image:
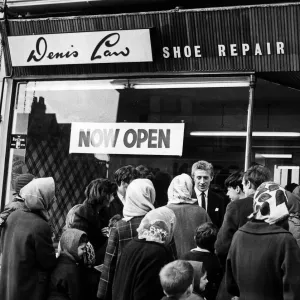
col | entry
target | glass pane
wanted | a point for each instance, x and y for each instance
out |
(44, 111)
(276, 112)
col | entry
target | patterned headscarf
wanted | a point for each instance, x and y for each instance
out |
(270, 203)
(180, 190)
(158, 226)
(139, 199)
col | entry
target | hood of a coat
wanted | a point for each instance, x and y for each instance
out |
(69, 242)
(39, 194)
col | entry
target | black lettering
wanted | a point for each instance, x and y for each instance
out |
(84, 137)
(142, 137)
(162, 138)
(134, 138)
(38, 50)
(152, 138)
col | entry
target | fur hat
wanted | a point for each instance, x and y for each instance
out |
(22, 180)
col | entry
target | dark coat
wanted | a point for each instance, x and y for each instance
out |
(236, 215)
(216, 206)
(28, 257)
(65, 280)
(116, 207)
(188, 218)
(263, 263)
(213, 268)
(137, 272)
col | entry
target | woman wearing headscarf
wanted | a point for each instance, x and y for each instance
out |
(139, 200)
(28, 253)
(137, 272)
(189, 216)
(264, 260)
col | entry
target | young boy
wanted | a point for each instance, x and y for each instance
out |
(65, 280)
(234, 186)
(177, 280)
(205, 237)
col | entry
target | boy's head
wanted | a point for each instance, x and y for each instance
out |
(73, 243)
(176, 279)
(206, 235)
(234, 186)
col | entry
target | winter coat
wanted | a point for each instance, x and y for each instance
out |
(136, 276)
(186, 226)
(263, 263)
(28, 253)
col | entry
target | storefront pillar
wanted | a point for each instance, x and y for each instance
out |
(248, 152)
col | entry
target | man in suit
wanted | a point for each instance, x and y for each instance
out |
(213, 203)
(237, 211)
(122, 177)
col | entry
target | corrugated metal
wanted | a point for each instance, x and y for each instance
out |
(204, 27)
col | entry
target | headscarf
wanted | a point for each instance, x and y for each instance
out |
(69, 243)
(158, 226)
(139, 199)
(198, 273)
(38, 195)
(21, 181)
(180, 190)
(270, 203)
(296, 191)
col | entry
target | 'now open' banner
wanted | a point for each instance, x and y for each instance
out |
(127, 138)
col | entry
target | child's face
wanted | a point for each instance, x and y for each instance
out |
(203, 282)
(81, 249)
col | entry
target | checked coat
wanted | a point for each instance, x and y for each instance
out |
(119, 236)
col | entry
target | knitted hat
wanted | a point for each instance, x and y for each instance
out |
(22, 180)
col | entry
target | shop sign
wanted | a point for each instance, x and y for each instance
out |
(121, 46)
(18, 141)
(127, 138)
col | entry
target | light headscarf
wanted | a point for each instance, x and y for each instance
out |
(270, 203)
(39, 194)
(158, 226)
(180, 190)
(139, 199)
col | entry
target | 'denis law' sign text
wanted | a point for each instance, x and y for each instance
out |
(127, 138)
(81, 48)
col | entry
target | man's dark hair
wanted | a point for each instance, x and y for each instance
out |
(206, 235)
(126, 174)
(235, 179)
(145, 172)
(98, 189)
(257, 174)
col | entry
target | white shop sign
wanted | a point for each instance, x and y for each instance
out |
(121, 46)
(127, 138)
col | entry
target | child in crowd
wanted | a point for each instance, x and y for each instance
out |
(205, 237)
(200, 279)
(65, 280)
(17, 202)
(177, 279)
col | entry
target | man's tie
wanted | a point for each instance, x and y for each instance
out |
(203, 200)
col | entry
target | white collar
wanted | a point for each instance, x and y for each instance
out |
(200, 249)
(198, 193)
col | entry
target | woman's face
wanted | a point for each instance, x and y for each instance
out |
(203, 282)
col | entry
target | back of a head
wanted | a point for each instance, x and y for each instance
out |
(145, 172)
(176, 277)
(97, 190)
(206, 235)
(257, 174)
(22, 180)
(126, 174)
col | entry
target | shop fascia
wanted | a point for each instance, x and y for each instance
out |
(243, 49)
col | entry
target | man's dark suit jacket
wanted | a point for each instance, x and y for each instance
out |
(235, 217)
(216, 206)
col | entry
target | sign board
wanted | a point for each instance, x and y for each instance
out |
(127, 138)
(121, 46)
(18, 141)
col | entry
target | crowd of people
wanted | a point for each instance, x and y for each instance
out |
(148, 236)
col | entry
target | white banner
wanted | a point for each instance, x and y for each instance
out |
(127, 138)
(81, 48)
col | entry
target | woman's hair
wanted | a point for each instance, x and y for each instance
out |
(98, 189)
(176, 277)
(126, 174)
(206, 235)
(83, 239)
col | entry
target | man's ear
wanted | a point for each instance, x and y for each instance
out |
(189, 290)
(238, 189)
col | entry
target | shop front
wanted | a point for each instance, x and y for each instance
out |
(89, 94)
